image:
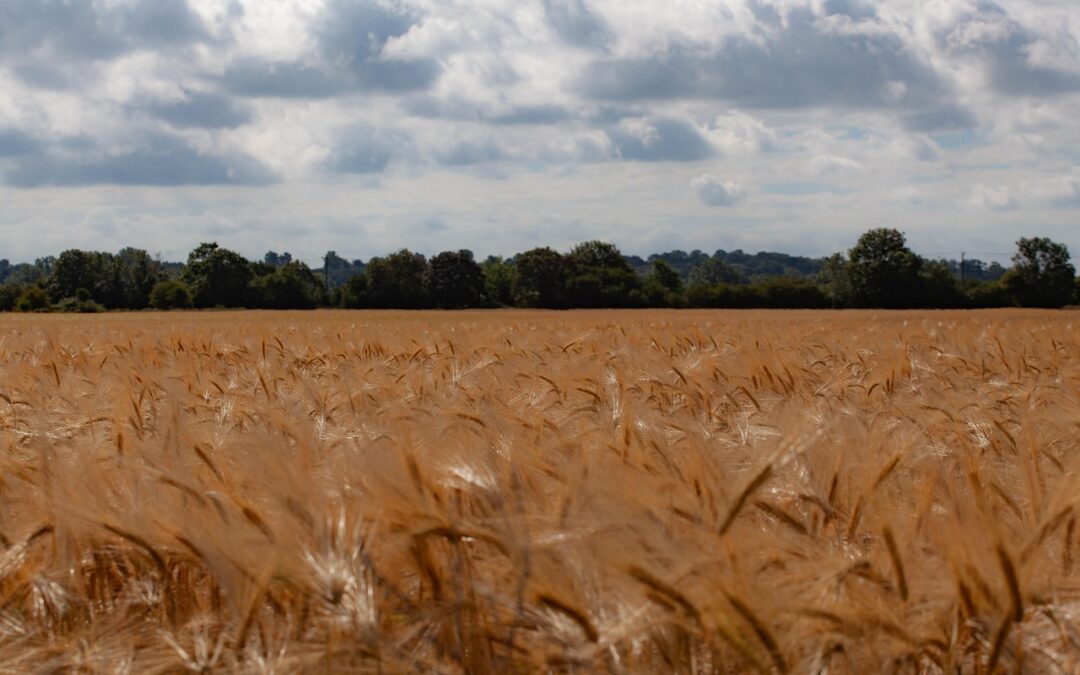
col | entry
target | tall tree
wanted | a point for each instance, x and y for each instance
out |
(1042, 275)
(217, 276)
(455, 281)
(498, 281)
(599, 276)
(396, 281)
(882, 271)
(540, 279)
(291, 285)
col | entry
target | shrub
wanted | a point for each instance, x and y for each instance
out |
(170, 294)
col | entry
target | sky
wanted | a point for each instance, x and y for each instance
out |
(364, 126)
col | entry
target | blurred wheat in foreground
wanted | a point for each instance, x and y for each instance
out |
(494, 492)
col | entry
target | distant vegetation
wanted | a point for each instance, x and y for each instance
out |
(880, 271)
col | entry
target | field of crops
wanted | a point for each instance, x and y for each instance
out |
(487, 492)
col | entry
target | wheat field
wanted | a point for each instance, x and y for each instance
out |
(699, 492)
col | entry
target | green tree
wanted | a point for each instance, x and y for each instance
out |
(135, 275)
(498, 281)
(291, 285)
(1042, 275)
(663, 287)
(715, 271)
(170, 294)
(454, 280)
(74, 269)
(33, 299)
(599, 276)
(396, 281)
(9, 295)
(882, 271)
(217, 276)
(540, 279)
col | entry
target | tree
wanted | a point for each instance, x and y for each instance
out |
(170, 294)
(276, 259)
(1042, 275)
(882, 271)
(9, 295)
(75, 269)
(599, 276)
(217, 276)
(715, 271)
(135, 274)
(663, 287)
(33, 299)
(540, 279)
(290, 286)
(396, 281)
(498, 281)
(454, 280)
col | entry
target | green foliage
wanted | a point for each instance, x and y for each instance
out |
(290, 286)
(937, 287)
(33, 299)
(170, 294)
(78, 305)
(715, 271)
(498, 281)
(454, 280)
(9, 295)
(393, 282)
(217, 276)
(340, 269)
(1042, 275)
(663, 287)
(598, 276)
(882, 271)
(986, 294)
(540, 279)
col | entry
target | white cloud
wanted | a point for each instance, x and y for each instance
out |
(713, 191)
(591, 116)
(992, 198)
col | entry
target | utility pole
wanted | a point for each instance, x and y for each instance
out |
(326, 269)
(962, 255)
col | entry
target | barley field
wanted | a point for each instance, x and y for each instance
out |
(698, 492)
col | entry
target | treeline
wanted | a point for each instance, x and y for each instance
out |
(880, 271)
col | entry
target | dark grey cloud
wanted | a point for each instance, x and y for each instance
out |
(71, 30)
(366, 150)
(575, 23)
(280, 80)
(159, 160)
(801, 64)
(466, 154)
(350, 39)
(200, 110)
(535, 114)
(1006, 53)
(855, 9)
(14, 143)
(667, 140)
(945, 117)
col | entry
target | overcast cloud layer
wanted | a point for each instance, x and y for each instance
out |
(497, 125)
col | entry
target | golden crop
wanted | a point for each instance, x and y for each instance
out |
(648, 491)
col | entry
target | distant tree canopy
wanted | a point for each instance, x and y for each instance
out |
(879, 271)
(217, 276)
(1042, 275)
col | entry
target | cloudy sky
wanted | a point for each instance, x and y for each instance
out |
(497, 125)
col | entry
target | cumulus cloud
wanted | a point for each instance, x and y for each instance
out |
(661, 139)
(836, 111)
(713, 191)
(160, 160)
